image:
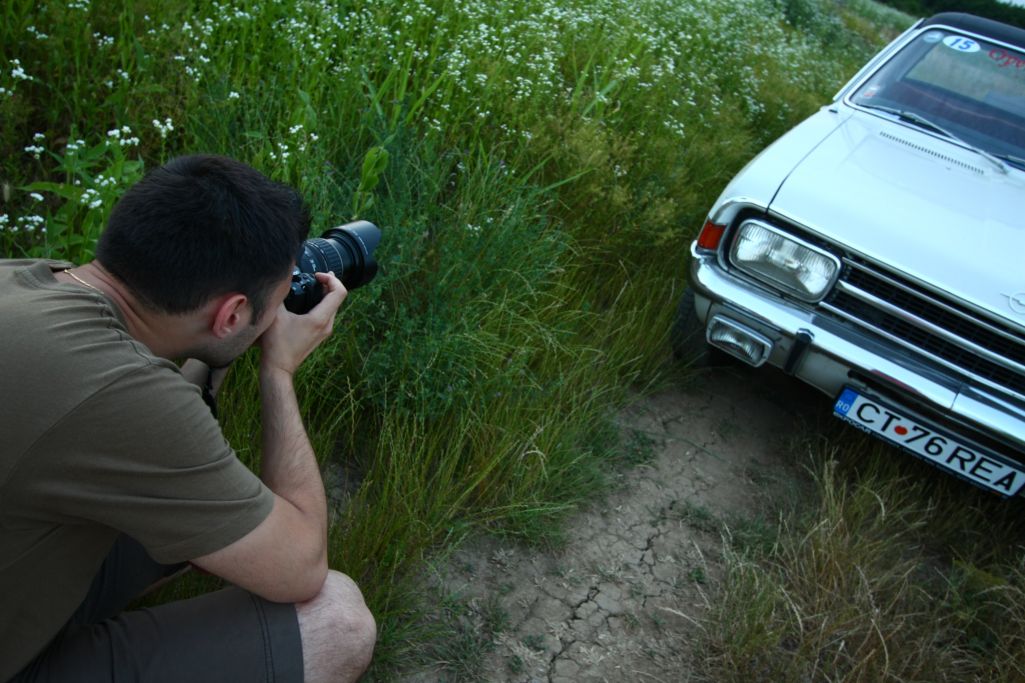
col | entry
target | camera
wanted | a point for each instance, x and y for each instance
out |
(347, 251)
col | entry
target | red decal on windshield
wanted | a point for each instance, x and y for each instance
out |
(1005, 58)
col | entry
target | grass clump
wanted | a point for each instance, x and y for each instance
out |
(894, 573)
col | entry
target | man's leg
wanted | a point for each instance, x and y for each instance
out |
(227, 635)
(126, 573)
(338, 632)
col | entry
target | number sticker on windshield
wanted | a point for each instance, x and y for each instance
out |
(961, 44)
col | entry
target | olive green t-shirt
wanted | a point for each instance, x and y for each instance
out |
(98, 437)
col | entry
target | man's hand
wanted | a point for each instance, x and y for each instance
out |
(291, 338)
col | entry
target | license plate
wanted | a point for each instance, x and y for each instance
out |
(970, 462)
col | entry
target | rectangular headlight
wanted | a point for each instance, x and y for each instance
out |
(784, 261)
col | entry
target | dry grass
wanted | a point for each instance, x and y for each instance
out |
(894, 572)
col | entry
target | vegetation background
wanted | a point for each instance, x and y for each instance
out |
(1006, 12)
(538, 168)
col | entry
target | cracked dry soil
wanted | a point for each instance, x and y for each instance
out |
(624, 598)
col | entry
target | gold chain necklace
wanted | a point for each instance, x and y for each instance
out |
(68, 272)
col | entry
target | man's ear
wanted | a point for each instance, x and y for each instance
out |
(231, 311)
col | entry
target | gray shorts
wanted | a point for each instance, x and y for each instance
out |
(229, 635)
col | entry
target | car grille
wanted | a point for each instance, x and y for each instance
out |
(937, 326)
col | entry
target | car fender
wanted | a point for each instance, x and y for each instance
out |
(757, 183)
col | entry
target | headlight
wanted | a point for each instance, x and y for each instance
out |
(784, 261)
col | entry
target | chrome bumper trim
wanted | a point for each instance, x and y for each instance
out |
(837, 350)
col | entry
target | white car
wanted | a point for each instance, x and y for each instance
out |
(877, 252)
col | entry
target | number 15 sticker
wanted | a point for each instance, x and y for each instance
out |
(961, 44)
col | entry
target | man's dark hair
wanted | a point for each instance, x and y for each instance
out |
(201, 226)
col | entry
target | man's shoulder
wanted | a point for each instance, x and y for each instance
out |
(59, 350)
(33, 267)
(45, 320)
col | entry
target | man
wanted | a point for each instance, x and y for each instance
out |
(114, 472)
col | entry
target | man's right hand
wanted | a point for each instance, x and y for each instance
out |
(291, 338)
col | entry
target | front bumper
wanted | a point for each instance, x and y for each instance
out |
(830, 354)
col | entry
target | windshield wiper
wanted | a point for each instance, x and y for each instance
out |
(1011, 159)
(923, 122)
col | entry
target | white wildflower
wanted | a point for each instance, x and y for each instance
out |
(163, 128)
(18, 72)
(29, 223)
(91, 198)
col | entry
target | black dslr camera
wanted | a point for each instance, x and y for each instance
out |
(347, 251)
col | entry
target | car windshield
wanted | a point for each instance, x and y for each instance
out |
(956, 85)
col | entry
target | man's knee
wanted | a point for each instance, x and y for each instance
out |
(352, 614)
(338, 631)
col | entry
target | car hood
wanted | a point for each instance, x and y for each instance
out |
(941, 214)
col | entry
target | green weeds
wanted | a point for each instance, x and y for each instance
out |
(91, 179)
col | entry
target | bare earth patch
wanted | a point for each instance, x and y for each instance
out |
(624, 598)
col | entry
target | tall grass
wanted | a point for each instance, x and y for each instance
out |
(894, 572)
(537, 167)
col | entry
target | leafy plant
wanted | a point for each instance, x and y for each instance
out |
(76, 207)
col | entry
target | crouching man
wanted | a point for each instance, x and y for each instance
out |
(114, 472)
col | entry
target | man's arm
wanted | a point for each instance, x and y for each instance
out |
(284, 559)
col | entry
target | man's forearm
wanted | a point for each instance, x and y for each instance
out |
(284, 559)
(289, 465)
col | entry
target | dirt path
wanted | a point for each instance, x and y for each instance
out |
(623, 598)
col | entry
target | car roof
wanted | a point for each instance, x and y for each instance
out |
(1005, 33)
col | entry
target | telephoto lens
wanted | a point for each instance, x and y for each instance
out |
(347, 251)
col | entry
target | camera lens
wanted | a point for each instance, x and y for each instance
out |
(347, 251)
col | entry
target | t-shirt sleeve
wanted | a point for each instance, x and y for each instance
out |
(146, 457)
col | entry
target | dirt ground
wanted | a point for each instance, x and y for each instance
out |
(624, 599)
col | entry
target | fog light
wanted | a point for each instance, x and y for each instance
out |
(739, 341)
